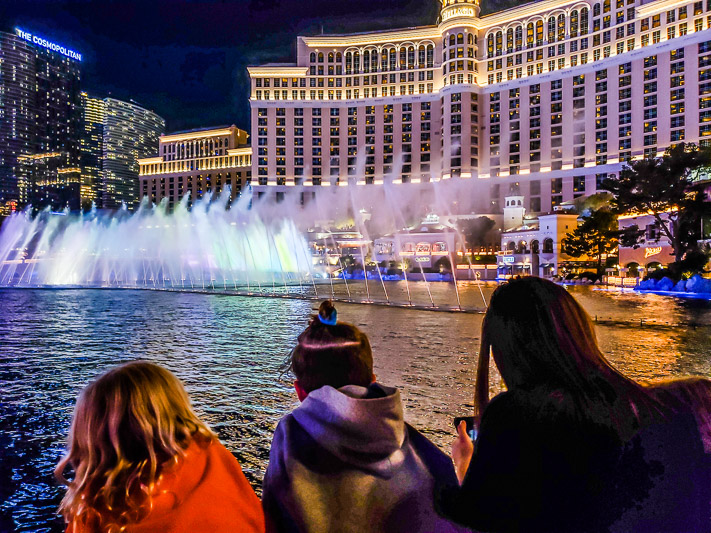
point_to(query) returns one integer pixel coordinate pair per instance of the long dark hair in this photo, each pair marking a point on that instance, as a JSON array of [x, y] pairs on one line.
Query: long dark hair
[[542, 339], [330, 352]]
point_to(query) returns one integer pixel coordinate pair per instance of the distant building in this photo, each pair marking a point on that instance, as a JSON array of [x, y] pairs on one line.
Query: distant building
[[548, 98], [531, 246], [196, 163], [130, 132], [654, 251], [92, 148], [40, 122]]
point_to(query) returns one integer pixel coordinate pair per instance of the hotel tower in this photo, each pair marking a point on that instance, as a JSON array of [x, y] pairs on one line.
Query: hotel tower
[[546, 99]]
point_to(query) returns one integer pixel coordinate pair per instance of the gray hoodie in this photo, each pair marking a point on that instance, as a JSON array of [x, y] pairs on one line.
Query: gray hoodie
[[345, 461]]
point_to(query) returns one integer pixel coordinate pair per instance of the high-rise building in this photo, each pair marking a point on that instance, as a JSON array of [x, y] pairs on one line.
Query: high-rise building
[[196, 163], [548, 98], [92, 148], [40, 122], [130, 132]]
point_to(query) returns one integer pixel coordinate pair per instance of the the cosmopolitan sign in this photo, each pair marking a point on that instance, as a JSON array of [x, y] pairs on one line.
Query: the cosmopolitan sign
[[39, 41]]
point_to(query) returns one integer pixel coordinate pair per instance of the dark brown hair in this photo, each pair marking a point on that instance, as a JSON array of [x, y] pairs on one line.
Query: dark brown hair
[[331, 353], [542, 339]]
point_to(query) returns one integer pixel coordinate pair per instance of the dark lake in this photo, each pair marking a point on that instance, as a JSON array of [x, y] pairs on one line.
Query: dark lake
[[228, 351]]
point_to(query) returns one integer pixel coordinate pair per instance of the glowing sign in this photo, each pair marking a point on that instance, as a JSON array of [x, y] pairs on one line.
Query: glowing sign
[[47, 44], [508, 259], [649, 252], [422, 259], [457, 12]]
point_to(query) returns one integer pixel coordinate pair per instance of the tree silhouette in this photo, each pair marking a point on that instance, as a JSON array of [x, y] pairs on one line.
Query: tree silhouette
[[668, 189], [596, 237]]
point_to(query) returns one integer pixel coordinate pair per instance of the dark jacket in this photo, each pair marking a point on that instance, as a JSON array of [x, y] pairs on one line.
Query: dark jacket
[[538, 469], [345, 461]]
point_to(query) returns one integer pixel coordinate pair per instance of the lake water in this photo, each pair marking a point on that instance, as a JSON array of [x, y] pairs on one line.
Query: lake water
[[228, 350]]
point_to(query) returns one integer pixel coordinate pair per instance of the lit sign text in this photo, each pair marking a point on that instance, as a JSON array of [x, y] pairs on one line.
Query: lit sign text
[[457, 12], [649, 252], [508, 259], [39, 41]]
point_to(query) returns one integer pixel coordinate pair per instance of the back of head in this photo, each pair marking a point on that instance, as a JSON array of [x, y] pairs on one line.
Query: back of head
[[332, 353], [541, 338], [126, 425]]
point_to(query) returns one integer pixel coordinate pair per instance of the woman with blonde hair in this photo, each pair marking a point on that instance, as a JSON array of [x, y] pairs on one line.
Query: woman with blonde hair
[[574, 445], [143, 461]]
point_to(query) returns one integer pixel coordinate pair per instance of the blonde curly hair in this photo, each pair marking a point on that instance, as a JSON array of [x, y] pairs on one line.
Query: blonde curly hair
[[129, 426]]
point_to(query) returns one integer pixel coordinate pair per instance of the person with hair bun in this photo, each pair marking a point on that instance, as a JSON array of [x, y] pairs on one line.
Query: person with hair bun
[[573, 445], [345, 460], [144, 462]]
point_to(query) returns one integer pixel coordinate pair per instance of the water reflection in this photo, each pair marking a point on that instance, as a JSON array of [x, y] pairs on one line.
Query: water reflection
[[228, 351]]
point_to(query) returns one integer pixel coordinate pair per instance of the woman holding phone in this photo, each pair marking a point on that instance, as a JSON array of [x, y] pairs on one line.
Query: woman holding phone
[[573, 445]]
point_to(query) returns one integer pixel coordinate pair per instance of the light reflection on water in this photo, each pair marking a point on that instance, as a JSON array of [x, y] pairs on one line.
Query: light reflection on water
[[228, 351]]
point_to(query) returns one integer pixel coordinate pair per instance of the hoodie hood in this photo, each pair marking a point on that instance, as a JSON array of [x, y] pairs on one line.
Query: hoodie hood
[[362, 427]]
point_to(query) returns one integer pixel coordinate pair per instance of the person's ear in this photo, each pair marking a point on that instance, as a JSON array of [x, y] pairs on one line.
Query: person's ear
[[300, 392]]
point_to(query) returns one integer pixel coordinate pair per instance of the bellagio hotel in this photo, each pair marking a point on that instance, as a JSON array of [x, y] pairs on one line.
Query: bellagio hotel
[[546, 99]]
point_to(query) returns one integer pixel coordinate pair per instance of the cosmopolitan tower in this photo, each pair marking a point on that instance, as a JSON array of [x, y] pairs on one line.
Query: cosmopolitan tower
[[546, 99]]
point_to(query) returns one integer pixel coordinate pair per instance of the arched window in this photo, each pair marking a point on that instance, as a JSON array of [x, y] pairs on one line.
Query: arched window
[[521, 248], [606, 6], [535, 247], [584, 21], [349, 62], [452, 40], [460, 38], [374, 61], [312, 57], [511, 246], [421, 57], [339, 57], [430, 56], [551, 29], [561, 27], [509, 40], [403, 57], [519, 37], [356, 62], [330, 57], [384, 60], [470, 39], [596, 10], [411, 57], [548, 246], [366, 61], [490, 45], [574, 23], [539, 33], [393, 59], [499, 42], [320, 57], [529, 35]]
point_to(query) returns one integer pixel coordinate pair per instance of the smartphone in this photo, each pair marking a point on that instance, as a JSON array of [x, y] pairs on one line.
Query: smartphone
[[471, 427]]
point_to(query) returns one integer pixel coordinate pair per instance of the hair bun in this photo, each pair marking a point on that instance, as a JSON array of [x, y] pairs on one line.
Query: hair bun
[[327, 313]]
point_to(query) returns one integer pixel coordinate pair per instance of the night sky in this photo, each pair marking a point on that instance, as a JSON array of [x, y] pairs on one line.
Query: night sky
[[187, 60]]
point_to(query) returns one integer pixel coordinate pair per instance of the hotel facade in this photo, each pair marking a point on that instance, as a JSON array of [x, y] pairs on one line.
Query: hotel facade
[[197, 163], [544, 100]]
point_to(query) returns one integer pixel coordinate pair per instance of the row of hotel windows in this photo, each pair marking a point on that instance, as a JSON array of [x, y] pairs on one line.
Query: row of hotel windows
[[349, 94], [340, 82], [196, 164], [561, 27], [334, 152], [192, 149], [650, 102], [623, 44], [175, 187]]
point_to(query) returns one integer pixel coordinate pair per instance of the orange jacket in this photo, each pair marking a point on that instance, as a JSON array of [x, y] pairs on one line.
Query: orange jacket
[[207, 493]]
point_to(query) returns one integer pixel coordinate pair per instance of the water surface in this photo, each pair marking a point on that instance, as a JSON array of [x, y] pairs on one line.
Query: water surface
[[229, 350]]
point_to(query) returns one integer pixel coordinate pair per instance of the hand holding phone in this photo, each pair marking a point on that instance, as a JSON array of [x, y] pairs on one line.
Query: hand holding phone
[[471, 425], [463, 446]]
